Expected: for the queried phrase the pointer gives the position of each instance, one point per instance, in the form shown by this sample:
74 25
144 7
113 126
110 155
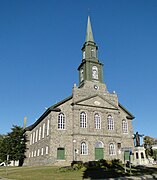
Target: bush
65 169
116 163
104 163
76 165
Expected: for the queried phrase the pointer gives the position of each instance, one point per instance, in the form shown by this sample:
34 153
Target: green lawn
55 173
39 173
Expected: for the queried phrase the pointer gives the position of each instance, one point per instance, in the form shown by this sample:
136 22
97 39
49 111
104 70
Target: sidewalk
144 177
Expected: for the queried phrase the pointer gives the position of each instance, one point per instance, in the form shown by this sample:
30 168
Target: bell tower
90 68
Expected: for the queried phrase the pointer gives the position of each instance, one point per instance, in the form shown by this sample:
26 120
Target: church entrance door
99 153
99 150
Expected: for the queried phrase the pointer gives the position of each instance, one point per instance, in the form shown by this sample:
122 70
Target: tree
14 145
155 154
148 142
4 147
18 144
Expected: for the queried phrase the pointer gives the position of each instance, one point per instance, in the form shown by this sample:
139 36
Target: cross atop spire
89 33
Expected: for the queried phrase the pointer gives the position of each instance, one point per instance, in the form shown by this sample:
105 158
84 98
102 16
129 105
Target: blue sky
40 51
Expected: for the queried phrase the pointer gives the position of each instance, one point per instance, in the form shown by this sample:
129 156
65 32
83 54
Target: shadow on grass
102 173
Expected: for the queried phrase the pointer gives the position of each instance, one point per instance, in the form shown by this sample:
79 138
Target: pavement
145 177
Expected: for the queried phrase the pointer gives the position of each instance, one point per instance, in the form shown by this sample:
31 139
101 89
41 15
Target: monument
139 151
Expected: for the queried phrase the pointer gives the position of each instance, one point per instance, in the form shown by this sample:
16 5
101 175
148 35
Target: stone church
89 125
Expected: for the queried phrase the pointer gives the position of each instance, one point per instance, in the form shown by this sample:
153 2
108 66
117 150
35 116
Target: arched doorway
99 150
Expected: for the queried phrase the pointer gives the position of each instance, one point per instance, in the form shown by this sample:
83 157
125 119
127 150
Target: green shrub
76 165
116 163
92 164
104 163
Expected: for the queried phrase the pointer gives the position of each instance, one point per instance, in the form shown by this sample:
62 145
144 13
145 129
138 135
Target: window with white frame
32 154
83 120
94 72
84 54
33 137
110 122
47 149
84 148
124 126
93 52
112 150
43 132
31 140
36 136
42 151
97 121
61 121
81 75
35 153
40 133
38 152
48 127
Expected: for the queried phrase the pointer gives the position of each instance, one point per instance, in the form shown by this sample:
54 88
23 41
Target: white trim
61 121
48 127
97 121
110 122
83 119
84 148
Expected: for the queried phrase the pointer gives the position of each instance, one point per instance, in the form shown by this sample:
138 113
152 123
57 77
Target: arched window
99 144
40 133
124 126
110 122
142 155
36 137
43 133
38 153
83 54
61 121
33 137
84 149
47 149
94 72
31 140
81 75
97 121
93 52
83 120
48 127
112 149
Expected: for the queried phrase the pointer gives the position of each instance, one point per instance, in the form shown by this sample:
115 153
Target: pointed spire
89 33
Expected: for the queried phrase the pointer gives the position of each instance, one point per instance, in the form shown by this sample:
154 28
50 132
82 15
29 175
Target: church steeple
90 69
89 33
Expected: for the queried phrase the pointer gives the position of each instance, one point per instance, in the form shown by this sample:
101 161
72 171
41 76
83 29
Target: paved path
145 177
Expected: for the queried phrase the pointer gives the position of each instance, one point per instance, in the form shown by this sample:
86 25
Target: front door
99 153
60 153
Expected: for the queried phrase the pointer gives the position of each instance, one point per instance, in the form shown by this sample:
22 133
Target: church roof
51 108
130 116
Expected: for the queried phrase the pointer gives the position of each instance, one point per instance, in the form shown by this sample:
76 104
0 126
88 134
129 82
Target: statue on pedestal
137 139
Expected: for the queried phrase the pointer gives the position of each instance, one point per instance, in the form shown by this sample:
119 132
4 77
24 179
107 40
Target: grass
39 173
57 173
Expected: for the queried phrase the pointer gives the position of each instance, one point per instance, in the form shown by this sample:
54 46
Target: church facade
88 125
